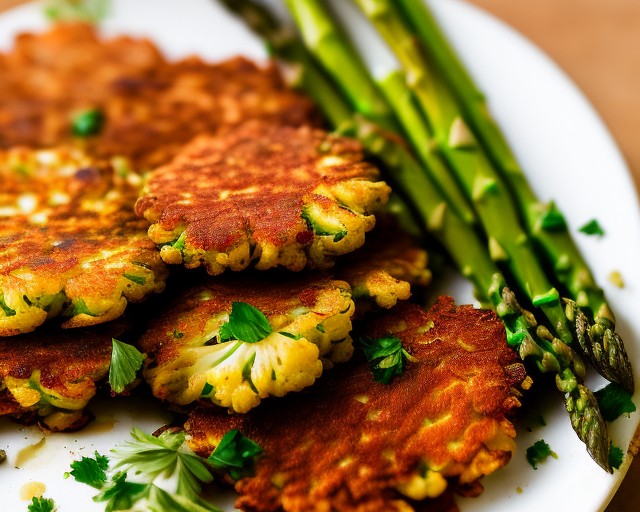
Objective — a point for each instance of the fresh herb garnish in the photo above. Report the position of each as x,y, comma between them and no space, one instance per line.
615,456
552,219
90,471
40,504
291,335
539,452
87,123
7,310
386,357
614,401
592,228
163,455
136,279
126,360
246,323
235,454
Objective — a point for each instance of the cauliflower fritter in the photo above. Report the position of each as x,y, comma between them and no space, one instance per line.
272,195
385,269
351,443
70,243
51,375
190,360
150,106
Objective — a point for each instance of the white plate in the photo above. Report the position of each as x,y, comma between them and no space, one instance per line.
565,149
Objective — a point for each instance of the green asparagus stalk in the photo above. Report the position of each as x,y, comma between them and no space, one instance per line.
604,348
508,242
533,343
336,54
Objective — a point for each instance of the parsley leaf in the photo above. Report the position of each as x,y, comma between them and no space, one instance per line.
615,457
235,454
163,455
614,401
161,501
552,219
91,11
39,504
246,323
87,123
120,494
126,360
592,228
539,452
386,357
90,471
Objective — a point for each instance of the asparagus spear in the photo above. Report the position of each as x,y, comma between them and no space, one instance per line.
335,53
532,342
602,345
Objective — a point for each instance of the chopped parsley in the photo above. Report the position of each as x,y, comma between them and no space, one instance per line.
40,504
291,335
87,123
7,310
90,471
386,357
614,401
246,323
615,457
126,360
539,452
136,279
552,219
592,228
235,455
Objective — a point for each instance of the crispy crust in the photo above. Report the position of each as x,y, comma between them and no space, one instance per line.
152,106
50,376
243,197
69,241
354,444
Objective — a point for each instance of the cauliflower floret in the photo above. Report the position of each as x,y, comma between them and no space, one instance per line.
303,327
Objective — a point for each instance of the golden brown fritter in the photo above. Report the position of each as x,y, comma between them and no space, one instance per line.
151,106
70,243
384,270
351,443
272,195
189,361
51,375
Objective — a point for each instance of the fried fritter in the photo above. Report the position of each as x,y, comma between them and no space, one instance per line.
188,359
151,107
351,443
267,194
383,271
70,243
51,375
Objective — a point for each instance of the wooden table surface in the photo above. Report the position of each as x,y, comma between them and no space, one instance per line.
597,42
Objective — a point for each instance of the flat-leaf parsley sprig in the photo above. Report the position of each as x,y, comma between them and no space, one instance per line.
386,357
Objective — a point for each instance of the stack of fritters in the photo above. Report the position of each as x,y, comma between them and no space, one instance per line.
151,107
259,187
351,443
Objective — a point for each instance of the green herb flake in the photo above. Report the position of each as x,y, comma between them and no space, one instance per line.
78,307
126,360
592,228
235,455
207,389
7,310
246,372
614,401
290,335
40,504
552,219
90,471
87,123
320,328
386,357
246,324
136,279
177,334
539,452
89,11
615,457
